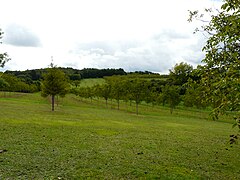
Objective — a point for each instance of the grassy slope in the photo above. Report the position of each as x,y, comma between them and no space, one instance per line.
91,82
81,140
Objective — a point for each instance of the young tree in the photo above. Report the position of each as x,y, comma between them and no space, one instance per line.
89,93
194,95
171,96
179,75
3,83
221,70
55,83
3,56
117,88
152,92
138,90
105,91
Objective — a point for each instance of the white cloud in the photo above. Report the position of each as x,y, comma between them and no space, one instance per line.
131,34
17,35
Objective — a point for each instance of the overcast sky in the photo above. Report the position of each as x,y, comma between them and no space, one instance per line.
150,35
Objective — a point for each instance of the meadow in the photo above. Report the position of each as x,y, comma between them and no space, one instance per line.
89,140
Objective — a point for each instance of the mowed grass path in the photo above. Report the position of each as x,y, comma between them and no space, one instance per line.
81,141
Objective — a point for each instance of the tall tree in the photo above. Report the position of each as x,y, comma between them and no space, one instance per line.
221,73
171,95
3,56
3,83
55,83
117,88
179,75
138,90
105,91
195,95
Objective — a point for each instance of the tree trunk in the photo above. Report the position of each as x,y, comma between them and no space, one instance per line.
137,108
106,102
118,103
53,98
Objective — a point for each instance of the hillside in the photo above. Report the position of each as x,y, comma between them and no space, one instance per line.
73,74
87,140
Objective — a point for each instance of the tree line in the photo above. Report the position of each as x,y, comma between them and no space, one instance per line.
182,84
74,74
170,91
29,81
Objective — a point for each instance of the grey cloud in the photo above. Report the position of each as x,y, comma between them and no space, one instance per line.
18,35
169,35
151,57
105,47
132,59
108,47
158,53
193,52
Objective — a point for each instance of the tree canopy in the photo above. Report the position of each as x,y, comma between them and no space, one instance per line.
55,83
180,73
3,56
221,72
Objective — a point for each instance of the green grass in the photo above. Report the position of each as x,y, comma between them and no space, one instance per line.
82,140
91,82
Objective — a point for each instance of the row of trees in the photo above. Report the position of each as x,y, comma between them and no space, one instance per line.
30,80
30,76
11,83
123,88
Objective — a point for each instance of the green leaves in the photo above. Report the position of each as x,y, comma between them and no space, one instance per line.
4,56
3,83
222,69
231,5
171,94
55,83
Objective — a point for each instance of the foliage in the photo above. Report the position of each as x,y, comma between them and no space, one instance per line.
3,83
117,88
14,84
221,73
100,73
55,83
128,89
74,75
137,91
104,91
171,95
180,74
195,95
3,56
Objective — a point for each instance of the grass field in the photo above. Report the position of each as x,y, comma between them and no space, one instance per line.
92,82
82,140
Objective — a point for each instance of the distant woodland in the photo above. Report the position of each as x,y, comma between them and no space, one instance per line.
30,80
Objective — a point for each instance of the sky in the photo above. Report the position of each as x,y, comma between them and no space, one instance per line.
136,35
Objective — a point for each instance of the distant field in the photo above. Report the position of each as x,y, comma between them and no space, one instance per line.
91,82
82,140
